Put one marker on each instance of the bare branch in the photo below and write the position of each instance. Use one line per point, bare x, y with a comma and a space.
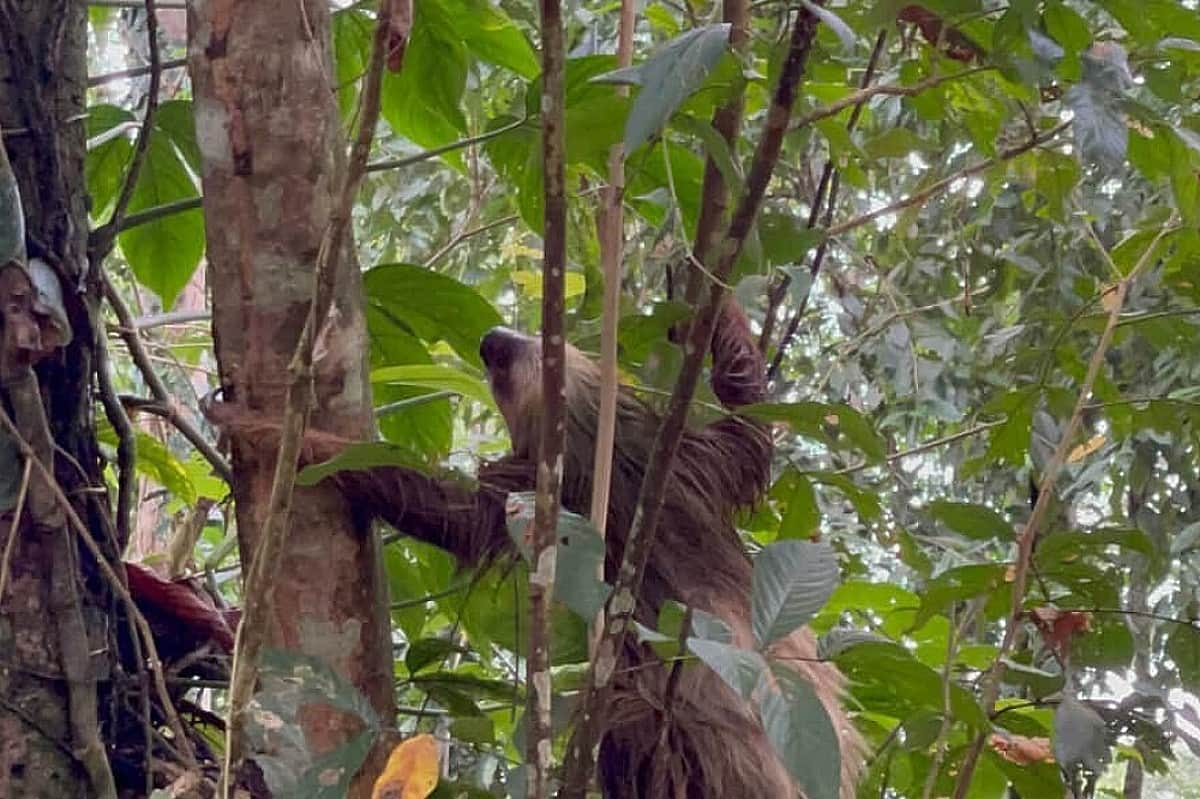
134, 72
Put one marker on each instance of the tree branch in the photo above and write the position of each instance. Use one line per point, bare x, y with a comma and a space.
134, 72
544, 555
611, 232
434, 152
776, 296
263, 573
162, 404
581, 751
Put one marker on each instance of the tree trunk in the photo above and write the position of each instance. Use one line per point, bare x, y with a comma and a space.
43, 49
273, 155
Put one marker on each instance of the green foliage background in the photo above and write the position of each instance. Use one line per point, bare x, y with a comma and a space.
939, 355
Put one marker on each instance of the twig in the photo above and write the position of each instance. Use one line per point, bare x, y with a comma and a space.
101, 240
1025, 544
611, 225
134, 72
263, 572
590, 727
434, 152
117, 585
166, 411
170, 318
776, 296
157, 212
14, 529
928, 446
126, 442
162, 404
937, 187
467, 234
889, 89
662, 753
544, 554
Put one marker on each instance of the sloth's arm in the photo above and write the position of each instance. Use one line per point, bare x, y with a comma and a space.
738, 448
465, 518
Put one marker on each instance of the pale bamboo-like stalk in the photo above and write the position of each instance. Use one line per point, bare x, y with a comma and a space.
612, 248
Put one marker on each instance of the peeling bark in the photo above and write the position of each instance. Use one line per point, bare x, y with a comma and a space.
272, 148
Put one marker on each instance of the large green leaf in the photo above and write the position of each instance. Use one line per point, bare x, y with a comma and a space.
437, 377
164, 253
410, 416
741, 669
493, 37
799, 728
108, 158
668, 77
423, 101
972, 521
792, 581
432, 306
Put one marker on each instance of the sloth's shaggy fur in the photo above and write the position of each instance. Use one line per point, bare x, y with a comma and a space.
716, 743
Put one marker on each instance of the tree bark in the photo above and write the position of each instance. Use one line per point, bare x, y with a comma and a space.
43, 49
273, 153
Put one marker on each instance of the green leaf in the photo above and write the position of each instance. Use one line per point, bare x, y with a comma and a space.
351, 46
954, 585
792, 581
799, 728
813, 419
834, 22
359, 456
432, 306
479, 730
423, 102
1067, 27
1183, 647
577, 582
741, 669
1099, 126
493, 37
667, 78
802, 516
427, 651
972, 521
107, 159
165, 253
412, 417
437, 377
154, 460
174, 120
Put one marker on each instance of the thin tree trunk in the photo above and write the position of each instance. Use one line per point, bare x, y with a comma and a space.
264, 94
43, 48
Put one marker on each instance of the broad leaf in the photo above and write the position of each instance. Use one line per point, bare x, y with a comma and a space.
436, 377
741, 669
792, 581
799, 728
972, 521
667, 78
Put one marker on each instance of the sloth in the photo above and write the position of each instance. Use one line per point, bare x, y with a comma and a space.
717, 746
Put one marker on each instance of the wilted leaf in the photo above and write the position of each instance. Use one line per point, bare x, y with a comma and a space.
411, 771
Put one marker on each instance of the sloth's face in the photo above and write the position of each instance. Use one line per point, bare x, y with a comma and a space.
514, 367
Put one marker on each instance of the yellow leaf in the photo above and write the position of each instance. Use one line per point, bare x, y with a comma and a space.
1086, 448
530, 283
411, 771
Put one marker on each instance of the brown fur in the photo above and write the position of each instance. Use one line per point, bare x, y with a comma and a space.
718, 747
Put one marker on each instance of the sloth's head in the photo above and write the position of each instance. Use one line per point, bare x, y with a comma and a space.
514, 367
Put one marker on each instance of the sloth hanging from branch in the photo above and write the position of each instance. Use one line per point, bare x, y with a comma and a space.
717, 746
